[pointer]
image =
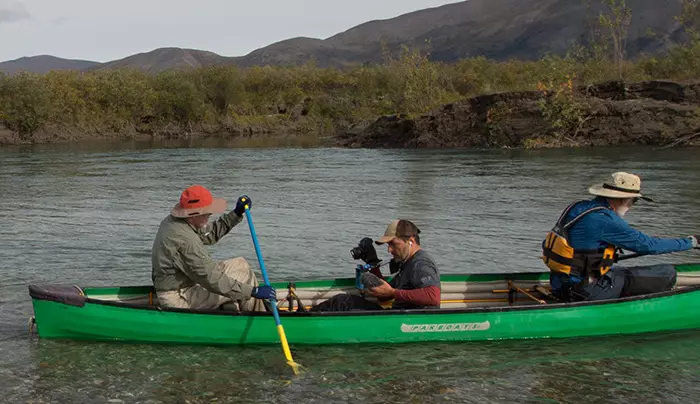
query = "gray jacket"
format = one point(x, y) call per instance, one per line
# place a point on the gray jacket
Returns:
point(180, 258)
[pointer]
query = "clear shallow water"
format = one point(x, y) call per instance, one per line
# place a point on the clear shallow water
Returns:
point(88, 215)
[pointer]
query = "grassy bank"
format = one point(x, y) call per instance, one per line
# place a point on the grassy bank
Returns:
point(266, 101)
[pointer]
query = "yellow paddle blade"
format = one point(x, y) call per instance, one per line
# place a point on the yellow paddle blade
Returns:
point(287, 352)
point(295, 367)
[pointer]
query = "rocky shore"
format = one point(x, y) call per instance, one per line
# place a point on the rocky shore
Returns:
point(659, 113)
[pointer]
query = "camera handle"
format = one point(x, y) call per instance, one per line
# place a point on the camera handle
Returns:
point(362, 268)
point(359, 270)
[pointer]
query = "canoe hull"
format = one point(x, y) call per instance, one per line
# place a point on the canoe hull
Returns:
point(676, 310)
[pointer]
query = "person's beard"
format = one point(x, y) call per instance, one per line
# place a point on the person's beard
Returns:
point(622, 210)
point(404, 255)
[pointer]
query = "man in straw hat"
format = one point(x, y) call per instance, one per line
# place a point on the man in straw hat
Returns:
point(415, 285)
point(184, 274)
point(582, 247)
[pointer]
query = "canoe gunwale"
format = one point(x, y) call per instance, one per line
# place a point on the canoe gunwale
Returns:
point(75, 298)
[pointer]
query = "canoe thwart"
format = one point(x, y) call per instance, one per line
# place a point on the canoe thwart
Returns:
point(514, 288)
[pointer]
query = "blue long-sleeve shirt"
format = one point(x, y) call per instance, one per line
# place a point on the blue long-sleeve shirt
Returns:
point(602, 227)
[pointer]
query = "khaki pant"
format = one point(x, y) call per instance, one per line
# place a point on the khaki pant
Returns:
point(198, 298)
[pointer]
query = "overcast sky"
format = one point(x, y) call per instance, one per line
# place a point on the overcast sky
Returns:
point(103, 30)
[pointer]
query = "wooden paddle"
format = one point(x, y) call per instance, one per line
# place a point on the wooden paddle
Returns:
point(273, 302)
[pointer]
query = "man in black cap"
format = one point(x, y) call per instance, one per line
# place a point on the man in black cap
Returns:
point(416, 285)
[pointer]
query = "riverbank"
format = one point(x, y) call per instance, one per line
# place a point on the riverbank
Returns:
point(407, 101)
point(270, 131)
point(659, 113)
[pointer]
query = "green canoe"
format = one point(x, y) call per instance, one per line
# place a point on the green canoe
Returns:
point(474, 307)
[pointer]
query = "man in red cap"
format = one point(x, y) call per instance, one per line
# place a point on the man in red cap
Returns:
point(184, 274)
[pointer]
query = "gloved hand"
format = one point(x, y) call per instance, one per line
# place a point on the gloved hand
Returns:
point(240, 205)
point(694, 240)
point(264, 292)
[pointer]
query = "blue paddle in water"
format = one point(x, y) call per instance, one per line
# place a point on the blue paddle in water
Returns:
point(273, 302)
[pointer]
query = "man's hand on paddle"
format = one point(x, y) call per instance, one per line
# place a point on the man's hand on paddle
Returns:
point(264, 292)
point(241, 205)
point(694, 239)
point(385, 291)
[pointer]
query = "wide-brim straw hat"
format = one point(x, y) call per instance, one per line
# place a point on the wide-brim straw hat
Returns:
point(621, 185)
point(197, 200)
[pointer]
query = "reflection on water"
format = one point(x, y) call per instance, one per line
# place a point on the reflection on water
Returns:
point(87, 215)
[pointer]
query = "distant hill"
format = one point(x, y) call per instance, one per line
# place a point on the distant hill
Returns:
point(287, 52)
point(495, 29)
point(43, 64)
point(166, 59)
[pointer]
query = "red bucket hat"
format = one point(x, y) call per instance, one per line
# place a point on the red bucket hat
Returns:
point(197, 200)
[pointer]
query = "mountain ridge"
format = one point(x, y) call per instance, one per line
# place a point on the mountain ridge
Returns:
point(495, 29)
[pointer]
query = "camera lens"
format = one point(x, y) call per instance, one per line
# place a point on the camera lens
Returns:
point(357, 253)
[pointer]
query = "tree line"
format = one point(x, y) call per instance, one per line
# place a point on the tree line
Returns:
point(324, 98)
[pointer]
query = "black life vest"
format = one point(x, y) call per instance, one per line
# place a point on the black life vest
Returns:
point(560, 257)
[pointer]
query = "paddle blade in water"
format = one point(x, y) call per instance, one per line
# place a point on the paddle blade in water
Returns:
point(295, 367)
point(287, 352)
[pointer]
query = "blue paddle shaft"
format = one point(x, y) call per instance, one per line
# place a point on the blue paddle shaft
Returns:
point(273, 302)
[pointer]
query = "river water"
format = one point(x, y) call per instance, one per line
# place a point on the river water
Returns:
point(87, 215)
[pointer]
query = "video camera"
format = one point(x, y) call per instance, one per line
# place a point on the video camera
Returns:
point(365, 251)
point(363, 277)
